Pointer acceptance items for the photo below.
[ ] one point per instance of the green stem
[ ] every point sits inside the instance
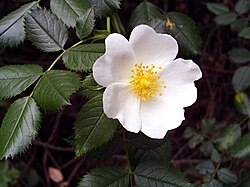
(108, 24)
(130, 173)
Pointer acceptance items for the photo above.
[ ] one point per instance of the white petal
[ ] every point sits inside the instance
(120, 103)
(159, 117)
(180, 71)
(152, 48)
(181, 95)
(117, 62)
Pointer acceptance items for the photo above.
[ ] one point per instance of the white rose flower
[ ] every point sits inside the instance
(147, 87)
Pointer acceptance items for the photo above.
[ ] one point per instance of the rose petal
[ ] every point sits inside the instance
(159, 117)
(152, 48)
(119, 102)
(180, 71)
(116, 63)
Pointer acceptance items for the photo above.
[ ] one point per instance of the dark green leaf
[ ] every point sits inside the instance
(195, 140)
(227, 176)
(55, 88)
(213, 183)
(19, 127)
(90, 88)
(45, 30)
(85, 24)
(241, 78)
(12, 26)
(105, 177)
(228, 137)
(82, 58)
(242, 6)
(242, 103)
(158, 25)
(241, 148)
(245, 33)
(69, 10)
(215, 156)
(217, 8)
(92, 127)
(239, 24)
(105, 7)
(189, 132)
(144, 13)
(208, 125)
(7, 175)
(206, 148)
(186, 32)
(239, 55)
(159, 174)
(14, 79)
(205, 167)
(225, 19)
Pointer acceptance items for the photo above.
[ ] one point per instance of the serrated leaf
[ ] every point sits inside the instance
(45, 30)
(69, 10)
(205, 167)
(85, 24)
(14, 79)
(212, 183)
(245, 33)
(144, 13)
(55, 88)
(242, 6)
(105, 177)
(82, 57)
(19, 127)
(225, 19)
(228, 137)
(217, 8)
(208, 125)
(239, 24)
(186, 32)
(215, 156)
(159, 174)
(227, 176)
(241, 147)
(239, 55)
(206, 148)
(12, 26)
(241, 78)
(90, 88)
(92, 127)
(105, 7)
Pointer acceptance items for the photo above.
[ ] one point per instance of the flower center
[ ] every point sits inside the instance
(146, 82)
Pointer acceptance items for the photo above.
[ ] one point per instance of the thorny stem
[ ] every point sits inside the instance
(130, 173)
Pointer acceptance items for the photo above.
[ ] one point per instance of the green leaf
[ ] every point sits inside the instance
(239, 24)
(241, 148)
(215, 156)
(242, 103)
(239, 55)
(14, 79)
(85, 24)
(189, 132)
(217, 8)
(104, 8)
(205, 167)
(159, 174)
(242, 6)
(225, 19)
(82, 57)
(245, 33)
(19, 127)
(208, 125)
(92, 127)
(45, 30)
(241, 78)
(55, 88)
(8, 175)
(158, 25)
(186, 32)
(90, 88)
(69, 10)
(227, 176)
(195, 140)
(212, 183)
(228, 137)
(144, 13)
(12, 26)
(105, 177)
(206, 148)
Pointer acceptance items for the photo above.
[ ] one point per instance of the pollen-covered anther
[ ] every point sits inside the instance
(146, 82)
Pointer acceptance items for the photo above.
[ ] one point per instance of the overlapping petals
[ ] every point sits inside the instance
(164, 110)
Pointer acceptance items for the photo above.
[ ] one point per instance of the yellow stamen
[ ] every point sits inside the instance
(169, 24)
(146, 82)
